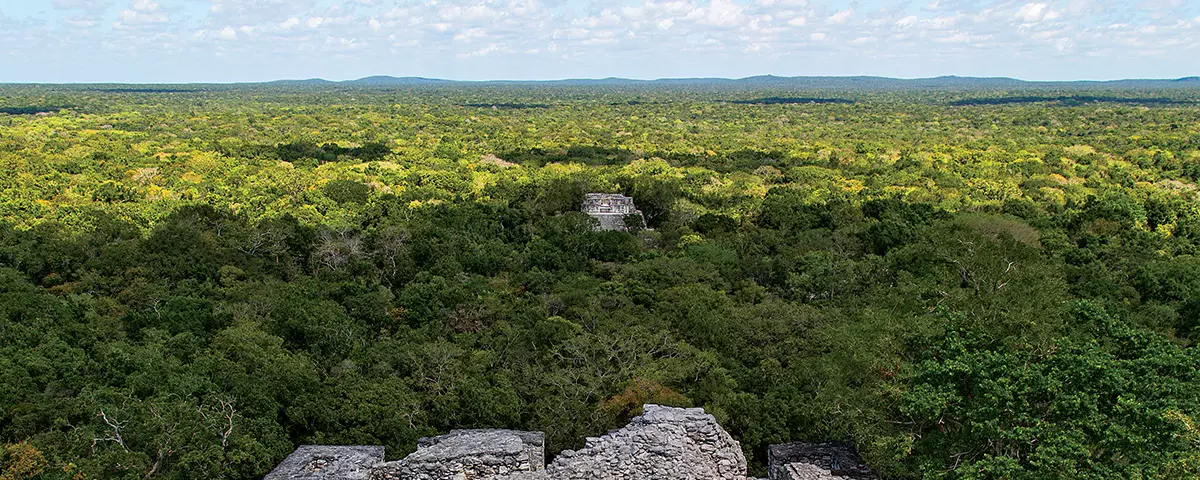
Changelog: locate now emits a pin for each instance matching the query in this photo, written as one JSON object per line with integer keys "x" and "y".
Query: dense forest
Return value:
{"x": 965, "y": 284}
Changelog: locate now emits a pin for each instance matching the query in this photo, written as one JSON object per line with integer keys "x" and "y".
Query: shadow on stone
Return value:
{"x": 816, "y": 461}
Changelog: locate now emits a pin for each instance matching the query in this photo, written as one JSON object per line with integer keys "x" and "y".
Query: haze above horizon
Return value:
{"x": 225, "y": 41}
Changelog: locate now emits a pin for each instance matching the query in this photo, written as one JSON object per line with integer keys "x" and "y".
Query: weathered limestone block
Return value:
{"x": 469, "y": 455}
{"x": 664, "y": 443}
{"x": 328, "y": 463}
{"x": 816, "y": 461}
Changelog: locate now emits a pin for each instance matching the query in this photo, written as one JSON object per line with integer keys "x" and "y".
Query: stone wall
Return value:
{"x": 312, "y": 462}
{"x": 816, "y": 461}
{"x": 609, "y": 209}
{"x": 468, "y": 455}
{"x": 664, "y": 443}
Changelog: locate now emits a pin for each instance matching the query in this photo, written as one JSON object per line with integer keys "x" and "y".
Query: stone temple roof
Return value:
{"x": 609, "y": 209}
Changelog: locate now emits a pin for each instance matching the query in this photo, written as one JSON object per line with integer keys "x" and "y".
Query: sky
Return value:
{"x": 181, "y": 41}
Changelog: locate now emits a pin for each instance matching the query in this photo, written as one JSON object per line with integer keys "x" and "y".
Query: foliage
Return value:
{"x": 964, "y": 286}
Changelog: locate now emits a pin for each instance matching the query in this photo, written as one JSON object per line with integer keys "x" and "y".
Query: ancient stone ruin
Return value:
{"x": 816, "y": 461}
{"x": 328, "y": 462}
{"x": 664, "y": 443}
{"x": 469, "y": 454}
{"x": 610, "y": 210}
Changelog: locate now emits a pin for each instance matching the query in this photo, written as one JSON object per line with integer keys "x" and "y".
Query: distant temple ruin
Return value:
{"x": 610, "y": 210}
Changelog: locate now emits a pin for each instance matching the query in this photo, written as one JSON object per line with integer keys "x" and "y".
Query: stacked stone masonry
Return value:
{"x": 816, "y": 461}
{"x": 312, "y": 462}
{"x": 664, "y": 443}
{"x": 469, "y": 455}
{"x": 609, "y": 209}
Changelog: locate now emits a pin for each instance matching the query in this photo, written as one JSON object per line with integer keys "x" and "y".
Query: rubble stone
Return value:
{"x": 468, "y": 455}
{"x": 664, "y": 443}
{"x": 816, "y": 461}
{"x": 328, "y": 463}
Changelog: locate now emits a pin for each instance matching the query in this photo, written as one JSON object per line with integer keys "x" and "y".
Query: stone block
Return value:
{"x": 816, "y": 461}
{"x": 469, "y": 455}
{"x": 664, "y": 443}
{"x": 312, "y": 462}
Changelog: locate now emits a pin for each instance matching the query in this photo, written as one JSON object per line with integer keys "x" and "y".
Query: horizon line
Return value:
{"x": 610, "y": 78}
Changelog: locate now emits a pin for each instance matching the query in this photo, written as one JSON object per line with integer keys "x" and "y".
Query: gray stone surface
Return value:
{"x": 312, "y": 462}
{"x": 469, "y": 455}
{"x": 610, "y": 209}
{"x": 816, "y": 461}
{"x": 664, "y": 443}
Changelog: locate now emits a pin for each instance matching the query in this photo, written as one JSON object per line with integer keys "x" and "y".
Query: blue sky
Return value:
{"x": 256, "y": 40}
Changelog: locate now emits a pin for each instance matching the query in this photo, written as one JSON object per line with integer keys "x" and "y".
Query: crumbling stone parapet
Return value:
{"x": 312, "y": 462}
{"x": 663, "y": 443}
{"x": 468, "y": 455}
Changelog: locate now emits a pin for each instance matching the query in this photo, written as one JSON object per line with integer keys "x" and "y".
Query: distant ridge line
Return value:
{"x": 860, "y": 82}
{"x": 385, "y": 79}
{"x": 845, "y": 82}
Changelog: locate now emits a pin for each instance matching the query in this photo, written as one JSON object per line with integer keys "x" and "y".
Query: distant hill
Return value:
{"x": 384, "y": 81}
{"x": 764, "y": 81}
{"x": 302, "y": 83}
{"x": 846, "y": 83}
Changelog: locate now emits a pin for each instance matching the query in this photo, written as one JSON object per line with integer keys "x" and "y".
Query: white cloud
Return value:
{"x": 606, "y": 18}
{"x": 258, "y": 11}
{"x": 782, "y": 3}
{"x": 80, "y": 22}
{"x": 841, "y": 17}
{"x": 141, "y": 12}
{"x": 1064, "y": 45}
{"x": 719, "y": 13}
{"x": 90, "y": 6}
{"x": 641, "y": 32}
{"x": 1080, "y": 7}
{"x": 470, "y": 34}
{"x": 491, "y": 48}
{"x": 1036, "y": 12}
{"x": 959, "y": 37}
{"x": 470, "y": 14}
